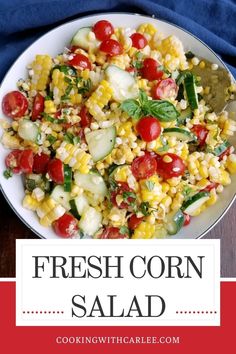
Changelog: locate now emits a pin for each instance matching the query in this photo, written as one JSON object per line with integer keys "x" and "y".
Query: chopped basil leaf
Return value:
{"x": 144, "y": 208}
{"x": 8, "y": 173}
{"x": 189, "y": 55}
{"x": 124, "y": 230}
{"x": 132, "y": 107}
{"x": 87, "y": 85}
{"x": 127, "y": 195}
{"x": 51, "y": 139}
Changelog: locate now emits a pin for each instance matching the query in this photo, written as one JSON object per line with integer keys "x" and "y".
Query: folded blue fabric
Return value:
{"x": 23, "y": 21}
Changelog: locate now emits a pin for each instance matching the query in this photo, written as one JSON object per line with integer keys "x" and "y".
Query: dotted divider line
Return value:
{"x": 196, "y": 312}
{"x": 43, "y": 312}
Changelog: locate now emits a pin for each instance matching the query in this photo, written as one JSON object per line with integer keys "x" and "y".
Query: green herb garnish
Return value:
{"x": 124, "y": 230}
{"x": 8, "y": 173}
{"x": 144, "y": 208}
{"x": 87, "y": 85}
{"x": 189, "y": 55}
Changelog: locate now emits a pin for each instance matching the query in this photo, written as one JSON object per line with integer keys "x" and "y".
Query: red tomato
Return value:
{"x": 144, "y": 166}
{"x": 122, "y": 188}
{"x": 81, "y": 135}
{"x": 112, "y": 233}
{"x": 103, "y": 30}
{"x": 212, "y": 185}
{"x": 73, "y": 48}
{"x": 56, "y": 171}
{"x": 150, "y": 69}
{"x": 26, "y": 160}
{"x": 187, "y": 219}
{"x": 201, "y": 132}
{"x": 225, "y": 153}
{"x": 85, "y": 117}
{"x": 38, "y": 107}
{"x": 149, "y": 128}
{"x": 11, "y": 161}
{"x": 134, "y": 222}
{"x": 111, "y": 47}
{"x": 170, "y": 165}
{"x": 131, "y": 70}
{"x": 14, "y": 104}
{"x": 40, "y": 163}
{"x": 138, "y": 40}
{"x": 165, "y": 89}
{"x": 81, "y": 61}
{"x": 66, "y": 226}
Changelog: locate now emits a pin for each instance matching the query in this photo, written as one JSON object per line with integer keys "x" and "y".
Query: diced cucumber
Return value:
{"x": 28, "y": 130}
{"x": 78, "y": 205}
{"x": 174, "y": 223}
{"x": 101, "y": 142}
{"x": 61, "y": 197}
{"x": 91, "y": 182}
{"x": 81, "y": 39}
{"x": 90, "y": 221}
{"x": 195, "y": 202}
{"x": 123, "y": 83}
{"x": 221, "y": 148}
{"x": 67, "y": 178}
{"x": 190, "y": 88}
{"x": 179, "y": 133}
{"x": 187, "y": 113}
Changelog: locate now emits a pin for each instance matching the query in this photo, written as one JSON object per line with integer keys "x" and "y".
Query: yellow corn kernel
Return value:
{"x": 203, "y": 171}
{"x": 99, "y": 98}
{"x": 49, "y": 107}
{"x": 165, "y": 187}
{"x": 144, "y": 230}
{"x": 85, "y": 74}
{"x": 41, "y": 68}
{"x": 147, "y": 28}
{"x": 10, "y": 141}
{"x": 202, "y": 64}
{"x": 224, "y": 177}
{"x": 166, "y": 201}
{"x": 213, "y": 198}
{"x": 174, "y": 181}
{"x": 231, "y": 163}
{"x": 58, "y": 85}
{"x": 121, "y": 173}
{"x": 30, "y": 203}
{"x": 203, "y": 183}
{"x": 75, "y": 157}
{"x": 76, "y": 98}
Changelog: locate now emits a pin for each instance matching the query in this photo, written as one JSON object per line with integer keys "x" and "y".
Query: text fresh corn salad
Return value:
{"x": 113, "y": 136}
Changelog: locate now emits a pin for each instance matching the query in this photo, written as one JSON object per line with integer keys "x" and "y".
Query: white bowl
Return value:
{"x": 53, "y": 43}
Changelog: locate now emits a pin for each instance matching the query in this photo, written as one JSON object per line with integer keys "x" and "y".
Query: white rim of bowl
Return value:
{"x": 117, "y": 13}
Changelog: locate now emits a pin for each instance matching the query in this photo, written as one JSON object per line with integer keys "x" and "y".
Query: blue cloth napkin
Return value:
{"x": 23, "y": 21}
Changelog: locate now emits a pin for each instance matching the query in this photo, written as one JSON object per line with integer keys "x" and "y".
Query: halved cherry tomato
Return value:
{"x": 81, "y": 61}
{"x": 170, "y": 165}
{"x": 38, "y": 107}
{"x": 66, "y": 226}
{"x": 26, "y": 160}
{"x": 112, "y": 233}
{"x": 85, "y": 117}
{"x": 11, "y": 161}
{"x": 73, "y": 48}
{"x": 56, "y": 171}
{"x": 131, "y": 70}
{"x": 201, "y": 132}
{"x": 14, "y": 104}
{"x": 149, "y": 128}
{"x": 212, "y": 185}
{"x": 103, "y": 30}
{"x": 139, "y": 41}
{"x": 134, "y": 222}
{"x": 122, "y": 187}
{"x": 144, "y": 166}
{"x": 165, "y": 89}
{"x": 150, "y": 69}
{"x": 81, "y": 135}
{"x": 111, "y": 47}
{"x": 225, "y": 153}
{"x": 187, "y": 219}
{"x": 40, "y": 163}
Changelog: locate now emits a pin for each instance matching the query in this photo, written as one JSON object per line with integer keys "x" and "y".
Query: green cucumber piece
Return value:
{"x": 67, "y": 178}
{"x": 61, "y": 197}
{"x": 179, "y": 133}
{"x": 195, "y": 202}
{"x": 190, "y": 88}
{"x": 175, "y": 221}
{"x": 34, "y": 180}
{"x": 220, "y": 149}
{"x": 81, "y": 39}
{"x": 28, "y": 130}
{"x": 101, "y": 142}
{"x": 90, "y": 221}
{"x": 91, "y": 182}
{"x": 185, "y": 114}
{"x": 78, "y": 205}
{"x": 123, "y": 83}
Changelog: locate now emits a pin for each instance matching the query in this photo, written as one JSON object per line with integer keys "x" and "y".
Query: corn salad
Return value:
{"x": 114, "y": 137}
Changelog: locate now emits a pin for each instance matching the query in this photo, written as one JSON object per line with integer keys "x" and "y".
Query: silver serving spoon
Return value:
{"x": 218, "y": 80}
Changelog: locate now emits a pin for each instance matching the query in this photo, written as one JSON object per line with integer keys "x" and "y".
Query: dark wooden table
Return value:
{"x": 11, "y": 228}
